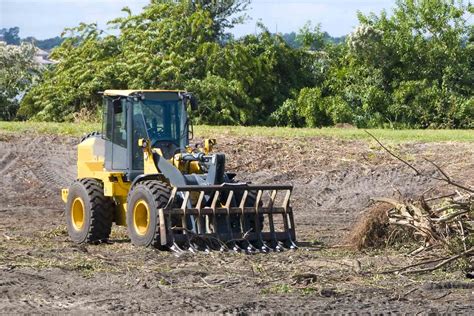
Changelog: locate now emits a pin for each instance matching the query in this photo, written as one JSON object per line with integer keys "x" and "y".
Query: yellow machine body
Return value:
{"x": 180, "y": 196}
{"x": 90, "y": 164}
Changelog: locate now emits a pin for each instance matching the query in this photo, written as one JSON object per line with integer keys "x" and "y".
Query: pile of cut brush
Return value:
{"x": 443, "y": 225}
{"x": 446, "y": 226}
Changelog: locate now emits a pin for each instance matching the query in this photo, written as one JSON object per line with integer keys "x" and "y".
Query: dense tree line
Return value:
{"x": 412, "y": 68}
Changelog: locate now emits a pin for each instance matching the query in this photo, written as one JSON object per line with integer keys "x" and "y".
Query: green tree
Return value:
{"x": 413, "y": 68}
{"x": 225, "y": 14}
{"x": 315, "y": 101}
{"x": 17, "y": 71}
{"x": 311, "y": 38}
{"x": 267, "y": 69}
{"x": 155, "y": 49}
{"x": 11, "y": 36}
{"x": 172, "y": 45}
{"x": 418, "y": 60}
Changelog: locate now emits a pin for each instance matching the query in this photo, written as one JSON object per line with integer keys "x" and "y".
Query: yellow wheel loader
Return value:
{"x": 141, "y": 172}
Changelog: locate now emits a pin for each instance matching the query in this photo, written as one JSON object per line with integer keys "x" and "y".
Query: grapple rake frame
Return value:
{"x": 199, "y": 213}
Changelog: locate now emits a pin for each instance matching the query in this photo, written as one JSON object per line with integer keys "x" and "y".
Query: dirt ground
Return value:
{"x": 42, "y": 271}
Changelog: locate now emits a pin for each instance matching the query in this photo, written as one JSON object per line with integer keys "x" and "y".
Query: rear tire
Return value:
{"x": 89, "y": 214}
{"x": 143, "y": 203}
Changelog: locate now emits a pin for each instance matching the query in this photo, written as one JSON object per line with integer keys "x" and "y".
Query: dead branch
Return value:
{"x": 449, "y": 217}
{"x": 440, "y": 197}
{"x": 418, "y": 173}
{"x": 399, "y": 270}
{"x": 444, "y": 262}
{"x": 445, "y": 208}
{"x": 445, "y": 178}
{"x": 463, "y": 235}
{"x": 442, "y": 296}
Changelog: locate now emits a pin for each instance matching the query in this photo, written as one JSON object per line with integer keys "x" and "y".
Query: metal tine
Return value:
{"x": 242, "y": 206}
{"x": 230, "y": 197}
{"x": 250, "y": 248}
{"x": 291, "y": 245}
{"x": 199, "y": 224}
{"x": 234, "y": 244}
{"x": 174, "y": 245}
{"x": 171, "y": 239}
{"x": 187, "y": 204}
{"x": 176, "y": 248}
{"x": 184, "y": 221}
{"x": 261, "y": 245}
{"x": 193, "y": 248}
{"x": 289, "y": 242}
{"x": 207, "y": 248}
{"x": 214, "y": 216}
{"x": 199, "y": 208}
{"x": 163, "y": 232}
{"x": 271, "y": 223}
{"x": 292, "y": 221}
{"x": 236, "y": 248}
{"x": 280, "y": 246}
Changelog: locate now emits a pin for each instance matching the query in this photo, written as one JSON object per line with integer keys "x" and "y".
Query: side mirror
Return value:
{"x": 194, "y": 103}
{"x": 191, "y": 100}
{"x": 117, "y": 106}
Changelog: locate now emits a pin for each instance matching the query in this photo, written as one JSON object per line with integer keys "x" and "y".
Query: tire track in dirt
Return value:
{"x": 55, "y": 172}
{"x": 34, "y": 169}
{"x": 6, "y": 160}
{"x": 327, "y": 207}
{"x": 9, "y": 158}
{"x": 14, "y": 155}
{"x": 352, "y": 189}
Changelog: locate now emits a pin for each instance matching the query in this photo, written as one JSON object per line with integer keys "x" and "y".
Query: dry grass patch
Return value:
{"x": 372, "y": 230}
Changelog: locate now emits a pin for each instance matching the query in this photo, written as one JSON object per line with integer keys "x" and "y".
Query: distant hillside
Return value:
{"x": 291, "y": 39}
{"x": 46, "y": 44}
{"x": 11, "y": 37}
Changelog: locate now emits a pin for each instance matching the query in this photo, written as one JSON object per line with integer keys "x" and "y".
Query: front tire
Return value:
{"x": 89, "y": 214}
{"x": 143, "y": 204}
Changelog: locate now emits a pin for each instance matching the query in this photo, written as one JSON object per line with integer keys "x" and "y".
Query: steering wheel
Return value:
{"x": 166, "y": 142}
{"x": 155, "y": 133}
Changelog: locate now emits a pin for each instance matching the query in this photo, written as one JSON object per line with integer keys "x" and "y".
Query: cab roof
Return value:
{"x": 126, "y": 93}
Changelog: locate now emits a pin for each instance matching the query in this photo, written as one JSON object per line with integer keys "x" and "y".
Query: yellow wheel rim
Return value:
{"x": 78, "y": 214}
{"x": 141, "y": 217}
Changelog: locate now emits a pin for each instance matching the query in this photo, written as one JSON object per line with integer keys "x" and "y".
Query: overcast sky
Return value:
{"x": 47, "y": 18}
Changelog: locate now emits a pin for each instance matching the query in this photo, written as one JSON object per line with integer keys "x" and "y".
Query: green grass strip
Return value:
{"x": 200, "y": 131}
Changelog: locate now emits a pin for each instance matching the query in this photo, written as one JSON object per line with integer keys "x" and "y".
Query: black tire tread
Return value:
{"x": 92, "y": 134}
{"x": 161, "y": 193}
{"x": 101, "y": 211}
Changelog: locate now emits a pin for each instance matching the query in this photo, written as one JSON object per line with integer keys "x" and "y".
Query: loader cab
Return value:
{"x": 159, "y": 116}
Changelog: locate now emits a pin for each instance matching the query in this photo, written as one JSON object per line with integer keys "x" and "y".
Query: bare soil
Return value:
{"x": 41, "y": 271}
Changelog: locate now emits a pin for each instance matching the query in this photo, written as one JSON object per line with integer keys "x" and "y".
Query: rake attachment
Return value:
{"x": 237, "y": 217}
